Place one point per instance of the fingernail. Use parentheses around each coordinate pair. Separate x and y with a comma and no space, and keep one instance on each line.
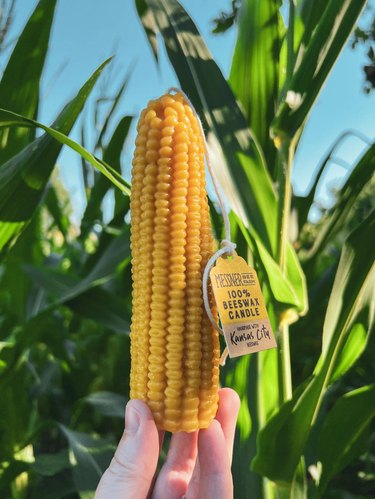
(132,419)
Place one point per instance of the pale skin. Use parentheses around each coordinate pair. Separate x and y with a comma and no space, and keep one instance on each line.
(198,464)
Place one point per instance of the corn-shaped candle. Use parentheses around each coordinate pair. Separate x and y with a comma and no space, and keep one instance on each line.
(174,348)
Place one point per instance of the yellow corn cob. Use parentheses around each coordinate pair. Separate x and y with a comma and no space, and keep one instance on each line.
(174,348)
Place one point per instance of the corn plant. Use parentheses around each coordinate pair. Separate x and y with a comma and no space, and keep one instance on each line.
(307,406)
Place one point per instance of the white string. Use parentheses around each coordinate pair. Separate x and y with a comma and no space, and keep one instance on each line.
(228,246)
(222,251)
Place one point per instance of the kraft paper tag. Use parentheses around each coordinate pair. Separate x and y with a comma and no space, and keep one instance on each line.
(241,307)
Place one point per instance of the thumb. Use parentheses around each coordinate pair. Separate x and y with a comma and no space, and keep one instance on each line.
(134,463)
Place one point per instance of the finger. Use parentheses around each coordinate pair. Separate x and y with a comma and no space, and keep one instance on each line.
(134,463)
(176,472)
(227,412)
(229,405)
(215,474)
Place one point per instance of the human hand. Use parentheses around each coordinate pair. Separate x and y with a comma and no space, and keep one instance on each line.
(198,464)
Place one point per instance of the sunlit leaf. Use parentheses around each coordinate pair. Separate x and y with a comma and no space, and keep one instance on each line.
(7,118)
(27,249)
(19,86)
(306,18)
(256,84)
(353,348)
(149,24)
(23,178)
(344,433)
(327,41)
(351,302)
(223,120)
(292,294)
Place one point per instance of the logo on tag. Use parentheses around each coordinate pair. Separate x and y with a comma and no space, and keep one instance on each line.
(241,307)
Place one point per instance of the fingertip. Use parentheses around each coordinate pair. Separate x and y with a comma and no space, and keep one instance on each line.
(229,398)
(229,406)
(140,407)
(138,414)
(140,424)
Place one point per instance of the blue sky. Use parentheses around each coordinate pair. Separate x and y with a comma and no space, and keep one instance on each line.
(86,32)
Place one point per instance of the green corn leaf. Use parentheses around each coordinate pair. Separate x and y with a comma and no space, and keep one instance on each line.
(116,101)
(23,178)
(109,233)
(255,69)
(27,249)
(112,154)
(223,120)
(102,307)
(113,150)
(216,221)
(89,301)
(107,403)
(290,293)
(149,24)
(19,86)
(243,379)
(361,174)
(327,40)
(7,118)
(89,458)
(351,302)
(15,408)
(297,279)
(50,464)
(65,287)
(303,204)
(352,297)
(52,203)
(44,465)
(307,17)
(344,434)
(352,349)
(62,485)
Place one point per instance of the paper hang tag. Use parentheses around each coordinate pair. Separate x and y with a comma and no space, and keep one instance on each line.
(240,303)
